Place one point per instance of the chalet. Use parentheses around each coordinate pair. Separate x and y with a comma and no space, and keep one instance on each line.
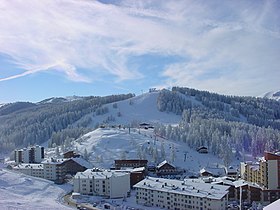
(165,168)
(74,165)
(71,154)
(213,171)
(132,163)
(202,150)
(231,172)
(144,125)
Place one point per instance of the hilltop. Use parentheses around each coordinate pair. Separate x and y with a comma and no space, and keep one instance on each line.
(104,145)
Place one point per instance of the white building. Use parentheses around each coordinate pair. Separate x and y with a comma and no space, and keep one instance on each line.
(54,169)
(38,154)
(106,183)
(179,195)
(34,154)
(36,170)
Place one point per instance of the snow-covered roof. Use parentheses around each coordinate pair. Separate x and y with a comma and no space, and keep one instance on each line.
(273,206)
(213,171)
(186,187)
(54,161)
(240,183)
(232,182)
(89,173)
(231,170)
(28,166)
(82,162)
(163,163)
(255,167)
(140,169)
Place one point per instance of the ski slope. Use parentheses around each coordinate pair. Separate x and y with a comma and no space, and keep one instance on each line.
(142,108)
(19,191)
(104,145)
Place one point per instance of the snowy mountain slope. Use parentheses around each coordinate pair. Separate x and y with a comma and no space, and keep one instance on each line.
(18,191)
(60,99)
(106,145)
(272,95)
(142,108)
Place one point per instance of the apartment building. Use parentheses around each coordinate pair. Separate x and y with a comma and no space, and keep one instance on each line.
(106,183)
(30,169)
(266,173)
(54,170)
(179,195)
(249,191)
(34,154)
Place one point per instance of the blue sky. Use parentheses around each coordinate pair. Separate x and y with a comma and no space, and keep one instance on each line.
(83,47)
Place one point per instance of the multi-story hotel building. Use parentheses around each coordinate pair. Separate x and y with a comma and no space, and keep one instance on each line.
(34,154)
(55,170)
(111,184)
(179,195)
(266,173)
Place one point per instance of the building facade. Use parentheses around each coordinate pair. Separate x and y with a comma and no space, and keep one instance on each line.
(34,154)
(55,170)
(105,183)
(132,163)
(165,168)
(180,195)
(34,169)
(266,173)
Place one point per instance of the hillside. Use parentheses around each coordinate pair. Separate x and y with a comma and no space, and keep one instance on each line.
(25,123)
(223,123)
(142,108)
(275,95)
(19,191)
(103,146)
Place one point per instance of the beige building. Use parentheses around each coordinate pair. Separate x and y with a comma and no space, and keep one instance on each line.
(266,173)
(111,184)
(180,195)
(55,170)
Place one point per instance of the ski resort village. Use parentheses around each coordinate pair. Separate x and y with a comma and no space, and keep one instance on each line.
(139,104)
(135,157)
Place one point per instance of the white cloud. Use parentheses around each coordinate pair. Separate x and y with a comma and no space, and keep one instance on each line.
(228,47)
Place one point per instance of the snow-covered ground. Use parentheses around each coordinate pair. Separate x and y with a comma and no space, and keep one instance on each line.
(104,145)
(142,108)
(271,95)
(18,191)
